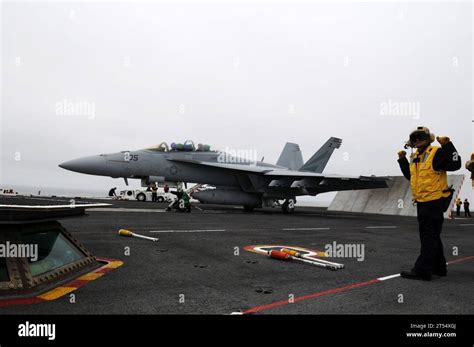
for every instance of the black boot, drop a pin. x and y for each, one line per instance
(441, 273)
(413, 275)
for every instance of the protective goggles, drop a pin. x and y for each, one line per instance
(419, 136)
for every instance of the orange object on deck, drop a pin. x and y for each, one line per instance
(279, 255)
(291, 252)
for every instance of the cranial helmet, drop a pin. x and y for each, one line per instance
(420, 133)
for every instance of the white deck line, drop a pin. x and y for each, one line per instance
(40, 207)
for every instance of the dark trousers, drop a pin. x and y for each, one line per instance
(430, 221)
(467, 213)
(154, 197)
(458, 211)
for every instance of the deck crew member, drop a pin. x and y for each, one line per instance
(429, 185)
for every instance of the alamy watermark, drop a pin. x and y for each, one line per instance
(238, 156)
(28, 329)
(393, 108)
(81, 108)
(22, 250)
(345, 250)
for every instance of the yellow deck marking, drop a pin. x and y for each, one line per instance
(113, 264)
(90, 276)
(56, 293)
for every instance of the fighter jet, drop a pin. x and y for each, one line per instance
(233, 180)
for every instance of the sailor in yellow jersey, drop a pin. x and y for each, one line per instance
(470, 167)
(427, 173)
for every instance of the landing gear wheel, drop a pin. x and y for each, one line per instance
(288, 206)
(248, 208)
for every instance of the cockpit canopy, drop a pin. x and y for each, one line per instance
(187, 146)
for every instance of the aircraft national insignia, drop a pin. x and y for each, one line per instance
(173, 170)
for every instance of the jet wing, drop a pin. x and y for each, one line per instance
(298, 179)
(267, 171)
(325, 182)
(361, 182)
(229, 166)
(300, 174)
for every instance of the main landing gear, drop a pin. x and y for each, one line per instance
(289, 205)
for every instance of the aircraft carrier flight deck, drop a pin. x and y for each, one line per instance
(204, 263)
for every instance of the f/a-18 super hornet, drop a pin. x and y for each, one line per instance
(233, 180)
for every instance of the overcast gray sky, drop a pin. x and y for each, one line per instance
(249, 76)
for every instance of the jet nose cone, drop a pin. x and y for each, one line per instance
(67, 165)
(89, 165)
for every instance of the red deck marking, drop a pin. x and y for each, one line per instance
(23, 301)
(311, 296)
(460, 260)
(329, 292)
(75, 283)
